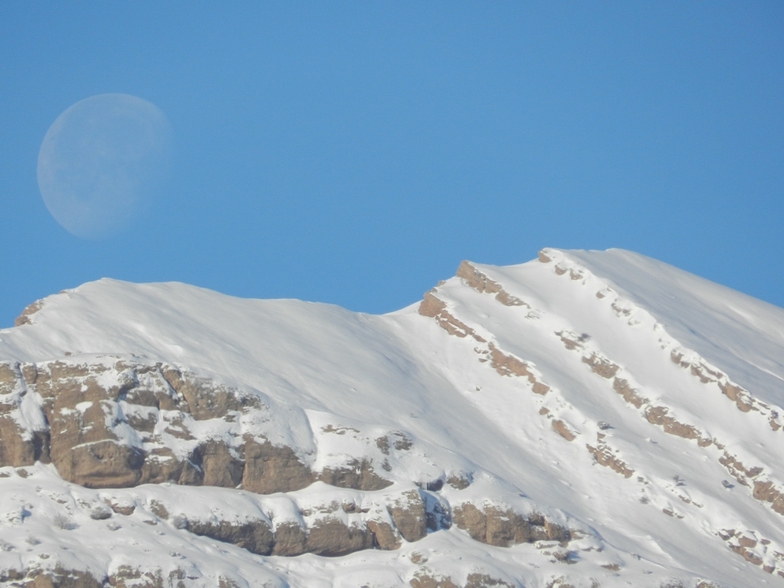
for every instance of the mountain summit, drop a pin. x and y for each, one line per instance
(586, 419)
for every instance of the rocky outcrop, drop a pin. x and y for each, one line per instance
(113, 423)
(333, 538)
(744, 401)
(504, 527)
(481, 283)
(255, 536)
(59, 577)
(269, 469)
(755, 549)
(659, 415)
(606, 457)
(767, 491)
(24, 317)
(563, 429)
(108, 422)
(358, 474)
(763, 489)
(129, 577)
(409, 515)
(428, 580)
(601, 366)
(503, 363)
(329, 529)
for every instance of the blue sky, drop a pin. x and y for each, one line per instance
(354, 153)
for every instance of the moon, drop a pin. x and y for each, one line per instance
(103, 162)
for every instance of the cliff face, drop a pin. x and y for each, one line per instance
(495, 435)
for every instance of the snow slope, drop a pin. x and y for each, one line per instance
(632, 402)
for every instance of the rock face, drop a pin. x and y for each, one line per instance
(506, 527)
(111, 423)
(115, 423)
(255, 536)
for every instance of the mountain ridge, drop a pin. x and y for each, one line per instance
(517, 420)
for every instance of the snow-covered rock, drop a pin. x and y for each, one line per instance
(584, 419)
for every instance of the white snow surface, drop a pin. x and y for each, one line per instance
(662, 525)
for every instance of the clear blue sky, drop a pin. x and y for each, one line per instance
(354, 153)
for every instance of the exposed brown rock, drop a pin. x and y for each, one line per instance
(628, 393)
(738, 470)
(219, 466)
(205, 400)
(332, 538)
(507, 299)
(82, 403)
(130, 577)
(159, 509)
(601, 366)
(747, 554)
(9, 377)
(255, 536)
(508, 365)
(410, 516)
(543, 257)
(768, 492)
(742, 399)
(605, 457)
(503, 528)
(476, 279)
(358, 474)
(18, 449)
(18, 446)
(269, 468)
(476, 580)
(458, 482)
(563, 429)
(84, 448)
(431, 306)
(29, 310)
(402, 442)
(471, 519)
(481, 283)
(445, 320)
(290, 539)
(383, 444)
(738, 395)
(386, 536)
(161, 465)
(569, 341)
(504, 364)
(101, 464)
(425, 580)
(123, 509)
(60, 578)
(11, 575)
(658, 415)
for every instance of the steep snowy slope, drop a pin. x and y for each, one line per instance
(584, 419)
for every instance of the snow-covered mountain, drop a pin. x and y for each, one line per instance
(586, 419)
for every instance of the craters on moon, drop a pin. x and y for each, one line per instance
(103, 162)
